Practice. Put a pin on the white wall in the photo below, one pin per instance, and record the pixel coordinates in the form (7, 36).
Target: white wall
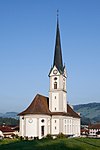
(93, 131)
(76, 126)
(60, 102)
(55, 126)
(30, 125)
(55, 101)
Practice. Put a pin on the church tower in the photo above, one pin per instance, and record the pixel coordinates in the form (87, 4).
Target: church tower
(51, 115)
(58, 75)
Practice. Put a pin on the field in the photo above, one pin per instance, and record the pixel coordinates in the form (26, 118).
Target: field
(45, 144)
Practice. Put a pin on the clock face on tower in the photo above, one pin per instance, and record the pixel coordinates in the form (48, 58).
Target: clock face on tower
(55, 71)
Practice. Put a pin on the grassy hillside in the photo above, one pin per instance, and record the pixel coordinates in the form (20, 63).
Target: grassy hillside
(91, 111)
(58, 144)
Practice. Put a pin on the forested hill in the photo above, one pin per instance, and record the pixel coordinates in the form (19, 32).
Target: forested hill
(90, 113)
(9, 121)
(9, 118)
(90, 110)
(9, 115)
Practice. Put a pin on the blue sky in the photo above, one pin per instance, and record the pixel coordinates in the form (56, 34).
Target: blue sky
(27, 41)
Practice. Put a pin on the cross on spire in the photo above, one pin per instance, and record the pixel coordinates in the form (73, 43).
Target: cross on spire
(57, 13)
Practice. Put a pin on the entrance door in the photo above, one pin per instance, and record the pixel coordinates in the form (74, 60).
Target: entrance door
(42, 130)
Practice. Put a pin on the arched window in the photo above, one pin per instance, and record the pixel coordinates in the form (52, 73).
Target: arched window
(55, 85)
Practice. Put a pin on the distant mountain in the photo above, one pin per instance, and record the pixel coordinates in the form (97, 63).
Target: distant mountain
(90, 111)
(1, 114)
(9, 115)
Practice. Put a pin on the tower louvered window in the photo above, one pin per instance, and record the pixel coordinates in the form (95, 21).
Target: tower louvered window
(55, 85)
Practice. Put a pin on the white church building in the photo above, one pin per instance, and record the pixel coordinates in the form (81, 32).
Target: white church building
(51, 115)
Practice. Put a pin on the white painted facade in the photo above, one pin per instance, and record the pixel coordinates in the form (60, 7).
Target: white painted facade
(31, 126)
(57, 95)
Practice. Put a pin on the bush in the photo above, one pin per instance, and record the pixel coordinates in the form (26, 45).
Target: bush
(13, 135)
(49, 136)
(61, 135)
(21, 138)
(26, 138)
(16, 136)
(36, 138)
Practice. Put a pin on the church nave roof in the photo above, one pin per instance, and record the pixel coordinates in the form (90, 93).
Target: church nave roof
(40, 105)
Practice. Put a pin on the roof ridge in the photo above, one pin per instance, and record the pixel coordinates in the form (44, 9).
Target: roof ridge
(42, 95)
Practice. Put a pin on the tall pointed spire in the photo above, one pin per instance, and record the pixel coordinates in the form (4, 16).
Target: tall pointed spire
(58, 62)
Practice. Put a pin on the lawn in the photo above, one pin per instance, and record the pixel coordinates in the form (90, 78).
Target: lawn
(57, 144)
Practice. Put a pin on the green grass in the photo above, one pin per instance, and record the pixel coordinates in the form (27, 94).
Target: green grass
(57, 144)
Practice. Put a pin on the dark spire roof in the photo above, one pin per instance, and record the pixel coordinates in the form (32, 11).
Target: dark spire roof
(58, 62)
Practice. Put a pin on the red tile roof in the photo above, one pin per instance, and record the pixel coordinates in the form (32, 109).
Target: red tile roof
(6, 129)
(86, 131)
(94, 126)
(40, 105)
(72, 112)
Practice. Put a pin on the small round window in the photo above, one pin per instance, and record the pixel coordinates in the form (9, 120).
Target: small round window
(42, 120)
(55, 78)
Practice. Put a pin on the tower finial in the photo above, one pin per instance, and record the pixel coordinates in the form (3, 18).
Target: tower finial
(57, 15)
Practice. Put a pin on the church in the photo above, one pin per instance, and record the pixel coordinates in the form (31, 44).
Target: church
(51, 115)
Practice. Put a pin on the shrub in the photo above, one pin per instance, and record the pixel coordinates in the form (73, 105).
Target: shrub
(26, 138)
(49, 136)
(21, 138)
(36, 138)
(16, 136)
(61, 135)
(13, 135)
